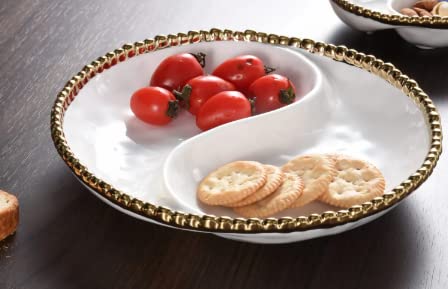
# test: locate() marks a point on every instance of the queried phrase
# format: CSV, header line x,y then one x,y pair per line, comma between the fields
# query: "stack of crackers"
x,y
256,190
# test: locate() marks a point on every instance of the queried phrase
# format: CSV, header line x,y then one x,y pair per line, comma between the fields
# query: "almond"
x,y
408,12
428,5
422,12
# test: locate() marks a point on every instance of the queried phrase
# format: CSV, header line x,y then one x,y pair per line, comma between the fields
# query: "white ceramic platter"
x,y
342,108
422,32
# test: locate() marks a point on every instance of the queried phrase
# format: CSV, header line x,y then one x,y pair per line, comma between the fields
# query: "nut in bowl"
x,y
422,23
421,8
152,172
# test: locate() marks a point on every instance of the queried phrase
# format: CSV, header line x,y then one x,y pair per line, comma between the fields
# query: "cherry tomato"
x,y
199,89
154,105
174,71
222,108
241,71
271,92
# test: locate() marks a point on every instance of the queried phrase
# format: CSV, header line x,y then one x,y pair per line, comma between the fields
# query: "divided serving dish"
x,y
349,103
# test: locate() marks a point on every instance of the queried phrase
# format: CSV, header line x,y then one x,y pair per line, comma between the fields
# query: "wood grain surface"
x,y
68,238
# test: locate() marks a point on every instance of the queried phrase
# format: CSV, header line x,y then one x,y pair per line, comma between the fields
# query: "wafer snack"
x,y
232,183
316,170
281,199
273,181
355,182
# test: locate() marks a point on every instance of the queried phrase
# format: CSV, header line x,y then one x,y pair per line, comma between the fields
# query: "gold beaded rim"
x,y
210,223
431,22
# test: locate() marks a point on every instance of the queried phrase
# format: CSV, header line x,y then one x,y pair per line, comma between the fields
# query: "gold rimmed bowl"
x,y
349,103
370,16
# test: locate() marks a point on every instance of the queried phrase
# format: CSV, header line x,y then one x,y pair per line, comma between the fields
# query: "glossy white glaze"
x,y
344,109
420,36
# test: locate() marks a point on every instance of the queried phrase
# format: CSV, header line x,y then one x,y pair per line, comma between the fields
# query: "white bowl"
x,y
373,15
343,109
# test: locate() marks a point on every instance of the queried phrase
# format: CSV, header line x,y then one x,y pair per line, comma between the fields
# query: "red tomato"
x,y
222,108
199,89
241,71
271,92
174,71
154,105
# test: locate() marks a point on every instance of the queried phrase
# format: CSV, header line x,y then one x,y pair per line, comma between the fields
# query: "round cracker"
x,y
317,171
273,181
231,183
9,214
355,182
282,198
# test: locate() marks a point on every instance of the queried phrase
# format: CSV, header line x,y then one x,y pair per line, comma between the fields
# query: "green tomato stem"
x,y
173,108
268,69
252,105
200,57
287,96
184,95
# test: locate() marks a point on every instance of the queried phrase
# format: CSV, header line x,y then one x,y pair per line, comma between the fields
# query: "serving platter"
x,y
375,15
349,103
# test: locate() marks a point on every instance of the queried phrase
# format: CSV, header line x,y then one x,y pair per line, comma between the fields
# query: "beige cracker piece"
x,y
317,171
232,183
9,214
281,199
356,182
274,180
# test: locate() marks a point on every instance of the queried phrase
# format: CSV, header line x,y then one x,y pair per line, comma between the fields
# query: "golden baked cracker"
x,y
317,171
231,183
9,214
274,180
282,198
356,182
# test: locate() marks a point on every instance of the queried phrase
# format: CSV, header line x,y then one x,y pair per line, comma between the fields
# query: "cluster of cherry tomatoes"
x,y
238,88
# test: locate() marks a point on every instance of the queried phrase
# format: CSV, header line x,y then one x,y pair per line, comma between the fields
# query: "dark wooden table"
x,y
68,238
